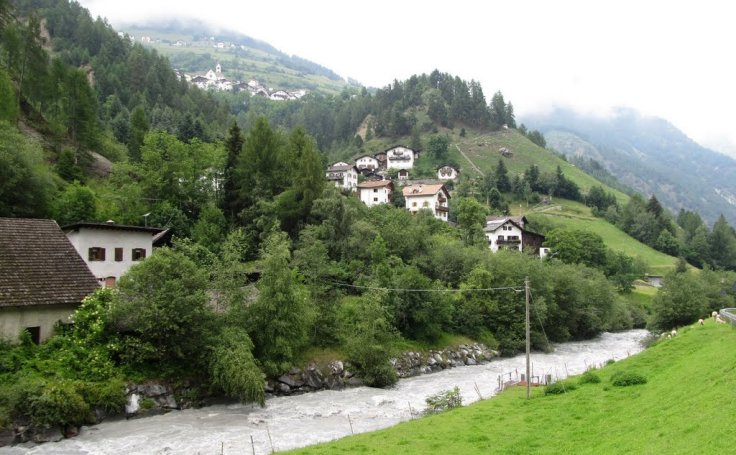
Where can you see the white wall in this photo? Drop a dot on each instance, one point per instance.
(86, 238)
(370, 197)
(416, 203)
(400, 164)
(367, 162)
(15, 319)
(511, 230)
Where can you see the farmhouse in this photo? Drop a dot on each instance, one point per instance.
(42, 278)
(400, 157)
(447, 173)
(505, 232)
(433, 197)
(343, 174)
(375, 192)
(111, 249)
(366, 162)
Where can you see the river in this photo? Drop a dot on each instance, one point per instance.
(297, 421)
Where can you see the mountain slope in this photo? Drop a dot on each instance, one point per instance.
(650, 155)
(194, 47)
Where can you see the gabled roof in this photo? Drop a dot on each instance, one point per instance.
(424, 190)
(365, 156)
(375, 184)
(39, 266)
(340, 168)
(111, 226)
(495, 222)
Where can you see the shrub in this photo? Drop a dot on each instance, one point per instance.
(108, 396)
(589, 377)
(233, 368)
(627, 378)
(559, 387)
(443, 401)
(58, 404)
(147, 403)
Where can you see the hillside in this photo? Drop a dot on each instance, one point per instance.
(194, 47)
(650, 155)
(656, 417)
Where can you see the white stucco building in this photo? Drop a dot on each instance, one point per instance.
(433, 197)
(111, 249)
(375, 192)
(344, 175)
(447, 173)
(506, 232)
(400, 157)
(366, 162)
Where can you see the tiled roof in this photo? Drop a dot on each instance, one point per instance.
(39, 266)
(422, 190)
(375, 184)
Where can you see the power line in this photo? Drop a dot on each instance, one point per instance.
(376, 288)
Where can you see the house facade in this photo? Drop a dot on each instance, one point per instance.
(110, 249)
(400, 157)
(343, 175)
(375, 192)
(432, 197)
(42, 278)
(510, 233)
(447, 173)
(366, 162)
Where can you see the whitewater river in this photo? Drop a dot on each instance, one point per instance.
(302, 420)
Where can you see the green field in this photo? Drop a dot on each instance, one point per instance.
(688, 406)
(573, 215)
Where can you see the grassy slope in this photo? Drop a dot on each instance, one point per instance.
(573, 215)
(483, 150)
(686, 407)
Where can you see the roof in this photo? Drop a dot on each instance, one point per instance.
(39, 266)
(375, 184)
(365, 156)
(340, 167)
(424, 190)
(494, 222)
(111, 226)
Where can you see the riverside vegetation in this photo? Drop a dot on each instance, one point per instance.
(672, 412)
(269, 265)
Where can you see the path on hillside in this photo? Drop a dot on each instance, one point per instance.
(469, 161)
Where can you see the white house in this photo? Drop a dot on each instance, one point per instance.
(433, 197)
(375, 192)
(506, 232)
(447, 173)
(110, 249)
(366, 162)
(400, 157)
(403, 174)
(343, 174)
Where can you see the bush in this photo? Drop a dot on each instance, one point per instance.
(443, 401)
(233, 368)
(108, 396)
(589, 377)
(627, 378)
(59, 403)
(559, 388)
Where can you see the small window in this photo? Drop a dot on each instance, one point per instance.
(118, 254)
(139, 254)
(375, 199)
(375, 190)
(96, 254)
(425, 204)
(413, 204)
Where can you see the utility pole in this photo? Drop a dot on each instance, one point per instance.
(528, 342)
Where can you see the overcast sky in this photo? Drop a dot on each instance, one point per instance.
(671, 59)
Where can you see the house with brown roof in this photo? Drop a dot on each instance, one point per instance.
(42, 278)
(343, 175)
(432, 197)
(374, 192)
(111, 249)
(509, 232)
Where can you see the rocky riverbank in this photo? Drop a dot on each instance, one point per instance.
(154, 398)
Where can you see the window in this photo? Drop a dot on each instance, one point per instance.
(500, 238)
(375, 190)
(375, 199)
(118, 254)
(139, 254)
(96, 254)
(425, 204)
(413, 204)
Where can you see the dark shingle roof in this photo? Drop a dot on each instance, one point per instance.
(39, 266)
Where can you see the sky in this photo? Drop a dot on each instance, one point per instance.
(672, 59)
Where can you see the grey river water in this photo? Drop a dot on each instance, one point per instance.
(301, 420)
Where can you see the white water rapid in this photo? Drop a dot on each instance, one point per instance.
(297, 421)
